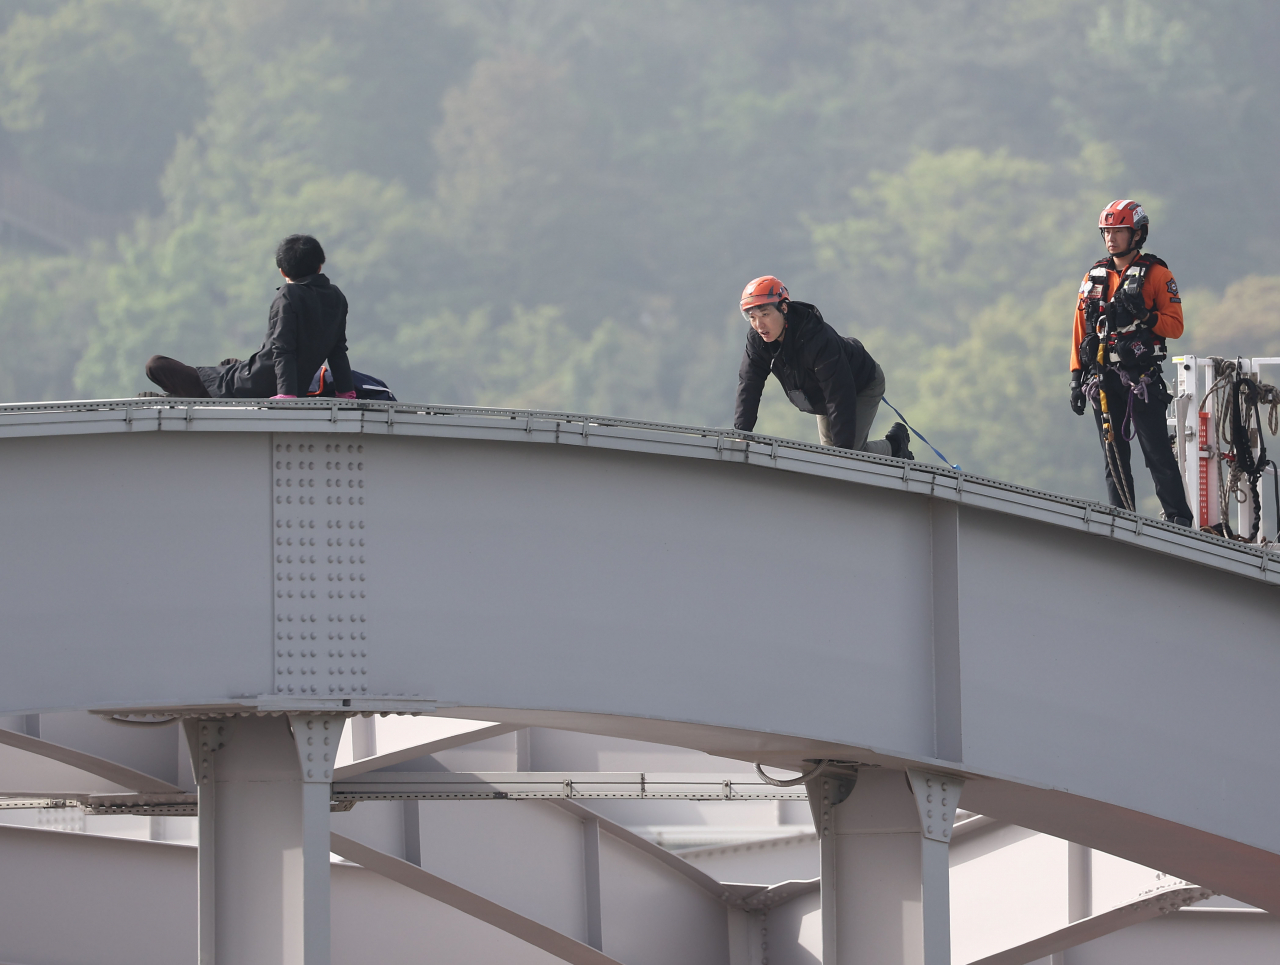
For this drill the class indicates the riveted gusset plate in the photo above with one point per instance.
(320, 548)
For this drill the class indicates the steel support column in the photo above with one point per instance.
(591, 881)
(937, 796)
(884, 842)
(264, 837)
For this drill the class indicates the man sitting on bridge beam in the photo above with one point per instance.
(306, 326)
(831, 376)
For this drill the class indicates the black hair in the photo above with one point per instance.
(299, 256)
(777, 305)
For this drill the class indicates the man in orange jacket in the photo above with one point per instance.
(1128, 307)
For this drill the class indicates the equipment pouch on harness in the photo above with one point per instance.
(1160, 393)
(1089, 350)
(1136, 348)
(1094, 291)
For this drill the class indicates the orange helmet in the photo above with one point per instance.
(763, 291)
(1126, 214)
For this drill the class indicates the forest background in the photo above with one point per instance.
(556, 203)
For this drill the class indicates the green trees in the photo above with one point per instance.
(92, 98)
(557, 203)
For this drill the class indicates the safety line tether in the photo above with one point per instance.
(953, 465)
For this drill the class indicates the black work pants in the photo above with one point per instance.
(1152, 429)
(175, 378)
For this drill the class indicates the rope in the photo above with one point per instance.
(1094, 393)
(1275, 491)
(953, 465)
(1122, 484)
(1138, 389)
(1238, 401)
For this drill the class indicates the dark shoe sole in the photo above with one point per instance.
(899, 442)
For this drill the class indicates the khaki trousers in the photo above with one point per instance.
(868, 402)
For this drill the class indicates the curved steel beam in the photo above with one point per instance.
(117, 777)
(468, 902)
(752, 597)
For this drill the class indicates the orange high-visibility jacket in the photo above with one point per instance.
(1159, 291)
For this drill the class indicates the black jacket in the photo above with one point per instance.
(307, 325)
(820, 371)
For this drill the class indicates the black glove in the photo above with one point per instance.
(1078, 399)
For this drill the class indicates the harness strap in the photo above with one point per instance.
(1139, 389)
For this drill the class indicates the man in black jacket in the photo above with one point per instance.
(307, 325)
(835, 378)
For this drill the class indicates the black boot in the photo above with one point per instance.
(898, 439)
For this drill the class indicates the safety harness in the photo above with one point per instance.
(1133, 351)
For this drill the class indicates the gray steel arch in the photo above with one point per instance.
(748, 596)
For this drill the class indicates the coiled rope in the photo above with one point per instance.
(1238, 401)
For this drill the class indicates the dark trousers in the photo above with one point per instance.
(176, 378)
(1152, 429)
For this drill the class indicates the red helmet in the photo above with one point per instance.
(763, 291)
(1126, 214)
(1123, 214)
